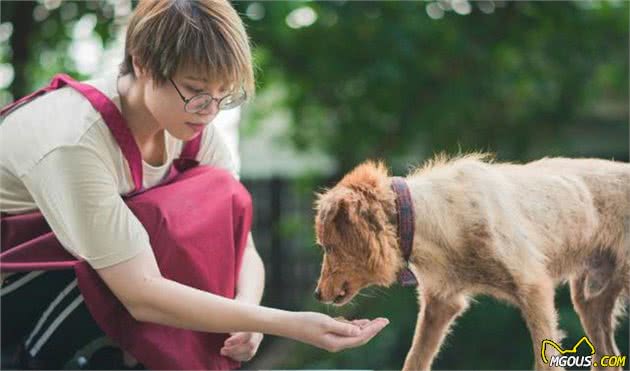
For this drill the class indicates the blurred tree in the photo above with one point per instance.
(382, 79)
(42, 36)
(22, 14)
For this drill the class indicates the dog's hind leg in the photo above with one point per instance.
(536, 302)
(596, 303)
(435, 317)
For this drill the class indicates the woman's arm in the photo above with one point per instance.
(148, 296)
(251, 279)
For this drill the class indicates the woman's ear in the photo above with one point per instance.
(138, 70)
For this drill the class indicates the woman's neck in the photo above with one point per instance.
(148, 134)
(142, 124)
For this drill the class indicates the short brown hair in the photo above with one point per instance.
(207, 36)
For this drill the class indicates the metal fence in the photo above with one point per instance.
(283, 234)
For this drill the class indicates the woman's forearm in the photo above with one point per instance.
(150, 297)
(170, 303)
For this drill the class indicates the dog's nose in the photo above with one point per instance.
(317, 294)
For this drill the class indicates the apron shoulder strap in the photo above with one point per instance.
(114, 121)
(108, 110)
(116, 124)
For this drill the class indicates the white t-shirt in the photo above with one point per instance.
(58, 156)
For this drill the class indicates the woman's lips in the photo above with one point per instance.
(196, 127)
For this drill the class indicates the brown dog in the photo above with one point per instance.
(510, 231)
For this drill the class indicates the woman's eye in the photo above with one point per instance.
(196, 91)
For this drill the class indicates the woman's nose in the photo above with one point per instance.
(209, 112)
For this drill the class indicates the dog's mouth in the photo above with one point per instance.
(344, 296)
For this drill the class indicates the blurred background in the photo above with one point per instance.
(342, 81)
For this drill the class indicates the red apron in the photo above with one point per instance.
(198, 223)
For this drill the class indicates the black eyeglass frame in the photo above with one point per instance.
(222, 103)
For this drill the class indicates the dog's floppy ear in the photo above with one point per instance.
(335, 209)
(335, 212)
(327, 210)
(372, 220)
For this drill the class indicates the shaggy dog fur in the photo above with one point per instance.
(506, 230)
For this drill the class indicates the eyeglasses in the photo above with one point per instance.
(200, 101)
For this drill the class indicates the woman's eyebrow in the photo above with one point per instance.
(196, 78)
(223, 89)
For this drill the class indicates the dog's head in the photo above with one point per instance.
(356, 227)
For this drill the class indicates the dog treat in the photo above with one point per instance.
(342, 319)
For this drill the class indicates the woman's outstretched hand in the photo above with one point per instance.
(335, 335)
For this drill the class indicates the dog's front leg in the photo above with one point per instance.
(435, 317)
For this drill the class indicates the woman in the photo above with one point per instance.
(184, 61)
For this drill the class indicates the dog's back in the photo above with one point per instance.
(589, 197)
(608, 182)
(608, 199)
(554, 212)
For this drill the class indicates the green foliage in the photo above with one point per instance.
(381, 79)
(41, 37)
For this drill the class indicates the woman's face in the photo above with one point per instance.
(167, 106)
